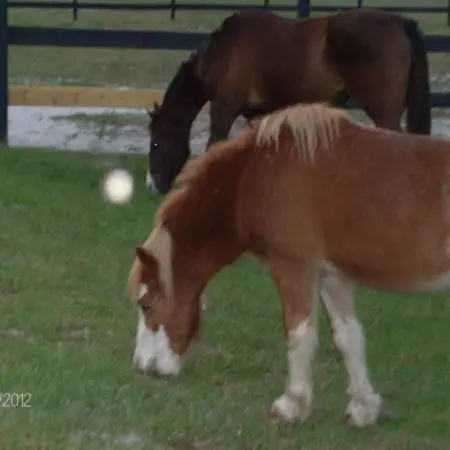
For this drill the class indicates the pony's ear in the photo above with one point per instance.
(146, 258)
(155, 107)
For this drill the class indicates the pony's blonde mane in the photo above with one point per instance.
(309, 124)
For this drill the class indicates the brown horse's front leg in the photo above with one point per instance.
(296, 285)
(222, 117)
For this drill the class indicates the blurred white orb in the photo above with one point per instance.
(118, 186)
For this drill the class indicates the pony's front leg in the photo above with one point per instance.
(365, 404)
(296, 285)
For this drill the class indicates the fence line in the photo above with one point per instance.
(302, 7)
(163, 40)
(137, 39)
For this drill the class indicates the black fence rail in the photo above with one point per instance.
(303, 8)
(137, 39)
(134, 39)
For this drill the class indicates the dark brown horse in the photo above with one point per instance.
(258, 62)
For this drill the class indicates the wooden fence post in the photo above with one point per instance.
(304, 8)
(3, 72)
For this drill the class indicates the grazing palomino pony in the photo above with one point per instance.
(258, 62)
(324, 202)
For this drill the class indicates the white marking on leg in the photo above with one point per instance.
(153, 352)
(365, 404)
(295, 403)
(149, 182)
(440, 283)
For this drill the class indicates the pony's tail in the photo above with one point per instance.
(418, 98)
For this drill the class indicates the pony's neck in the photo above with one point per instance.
(185, 96)
(203, 217)
(206, 242)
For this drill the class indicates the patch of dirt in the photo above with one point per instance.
(6, 291)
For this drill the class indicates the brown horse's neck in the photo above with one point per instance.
(185, 96)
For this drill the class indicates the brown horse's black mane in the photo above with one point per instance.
(184, 89)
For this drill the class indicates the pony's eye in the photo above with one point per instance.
(154, 145)
(146, 308)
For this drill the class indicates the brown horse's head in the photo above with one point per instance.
(165, 328)
(169, 151)
(170, 126)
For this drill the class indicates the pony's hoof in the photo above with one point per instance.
(288, 411)
(360, 415)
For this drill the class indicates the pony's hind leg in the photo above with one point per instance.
(297, 289)
(337, 296)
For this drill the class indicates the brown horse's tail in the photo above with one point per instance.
(418, 98)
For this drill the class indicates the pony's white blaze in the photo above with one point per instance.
(143, 289)
(153, 352)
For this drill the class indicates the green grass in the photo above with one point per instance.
(67, 334)
(150, 68)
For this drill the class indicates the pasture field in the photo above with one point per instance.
(153, 68)
(67, 331)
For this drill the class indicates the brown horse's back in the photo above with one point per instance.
(265, 60)
(262, 62)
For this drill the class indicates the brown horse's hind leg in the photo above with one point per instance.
(391, 120)
(337, 296)
(385, 107)
(296, 284)
(222, 117)
(377, 79)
